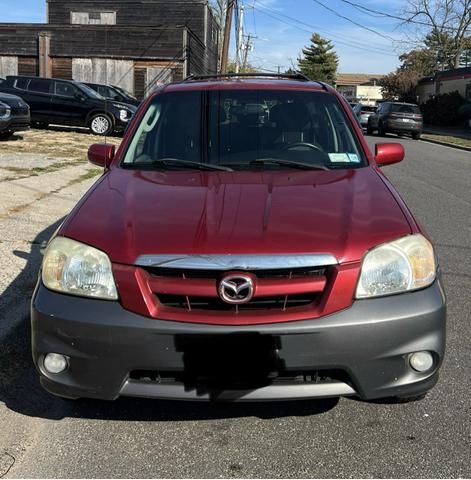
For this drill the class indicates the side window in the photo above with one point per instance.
(106, 92)
(21, 83)
(65, 89)
(39, 85)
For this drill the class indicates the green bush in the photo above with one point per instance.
(444, 110)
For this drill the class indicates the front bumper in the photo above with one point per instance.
(360, 351)
(15, 123)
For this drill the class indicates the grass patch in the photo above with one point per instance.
(70, 145)
(86, 176)
(38, 170)
(463, 142)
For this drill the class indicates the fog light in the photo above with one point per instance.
(55, 363)
(421, 361)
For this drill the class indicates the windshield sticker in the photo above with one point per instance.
(353, 157)
(339, 157)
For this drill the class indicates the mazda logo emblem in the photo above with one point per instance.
(236, 288)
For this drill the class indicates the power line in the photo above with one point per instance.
(313, 27)
(352, 44)
(377, 13)
(387, 37)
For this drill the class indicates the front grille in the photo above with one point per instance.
(258, 303)
(278, 289)
(215, 274)
(226, 380)
(20, 111)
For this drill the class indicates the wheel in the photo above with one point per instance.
(5, 135)
(416, 135)
(381, 131)
(369, 130)
(39, 125)
(101, 124)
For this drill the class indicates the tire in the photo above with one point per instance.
(416, 136)
(5, 135)
(369, 130)
(101, 124)
(40, 125)
(381, 131)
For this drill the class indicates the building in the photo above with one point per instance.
(130, 43)
(456, 80)
(359, 87)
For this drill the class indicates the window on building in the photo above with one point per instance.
(93, 18)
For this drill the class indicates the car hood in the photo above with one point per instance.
(130, 213)
(11, 100)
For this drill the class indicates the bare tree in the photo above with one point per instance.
(449, 20)
(219, 9)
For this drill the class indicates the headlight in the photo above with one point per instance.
(78, 269)
(124, 115)
(5, 111)
(399, 266)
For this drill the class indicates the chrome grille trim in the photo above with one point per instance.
(237, 262)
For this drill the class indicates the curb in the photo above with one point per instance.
(446, 144)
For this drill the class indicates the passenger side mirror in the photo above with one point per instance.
(101, 154)
(388, 153)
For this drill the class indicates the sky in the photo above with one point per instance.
(280, 36)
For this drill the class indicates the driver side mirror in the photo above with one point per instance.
(388, 153)
(79, 96)
(101, 154)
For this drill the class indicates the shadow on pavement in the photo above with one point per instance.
(21, 392)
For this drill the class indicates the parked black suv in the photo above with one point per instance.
(14, 115)
(65, 102)
(396, 117)
(111, 92)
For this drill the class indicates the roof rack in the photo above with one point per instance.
(291, 76)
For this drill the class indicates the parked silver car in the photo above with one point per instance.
(363, 112)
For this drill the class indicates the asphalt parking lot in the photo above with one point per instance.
(43, 436)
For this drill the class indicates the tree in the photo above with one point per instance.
(446, 23)
(420, 61)
(319, 60)
(231, 68)
(400, 85)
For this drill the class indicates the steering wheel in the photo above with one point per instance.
(311, 146)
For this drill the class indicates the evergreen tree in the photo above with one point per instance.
(319, 60)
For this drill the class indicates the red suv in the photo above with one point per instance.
(242, 244)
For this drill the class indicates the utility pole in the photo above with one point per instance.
(239, 35)
(248, 46)
(227, 35)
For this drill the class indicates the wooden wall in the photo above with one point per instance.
(62, 68)
(93, 41)
(135, 12)
(28, 66)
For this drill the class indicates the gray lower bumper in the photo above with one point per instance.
(370, 342)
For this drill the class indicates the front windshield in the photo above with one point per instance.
(89, 91)
(244, 129)
(124, 92)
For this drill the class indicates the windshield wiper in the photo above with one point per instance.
(170, 162)
(289, 163)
